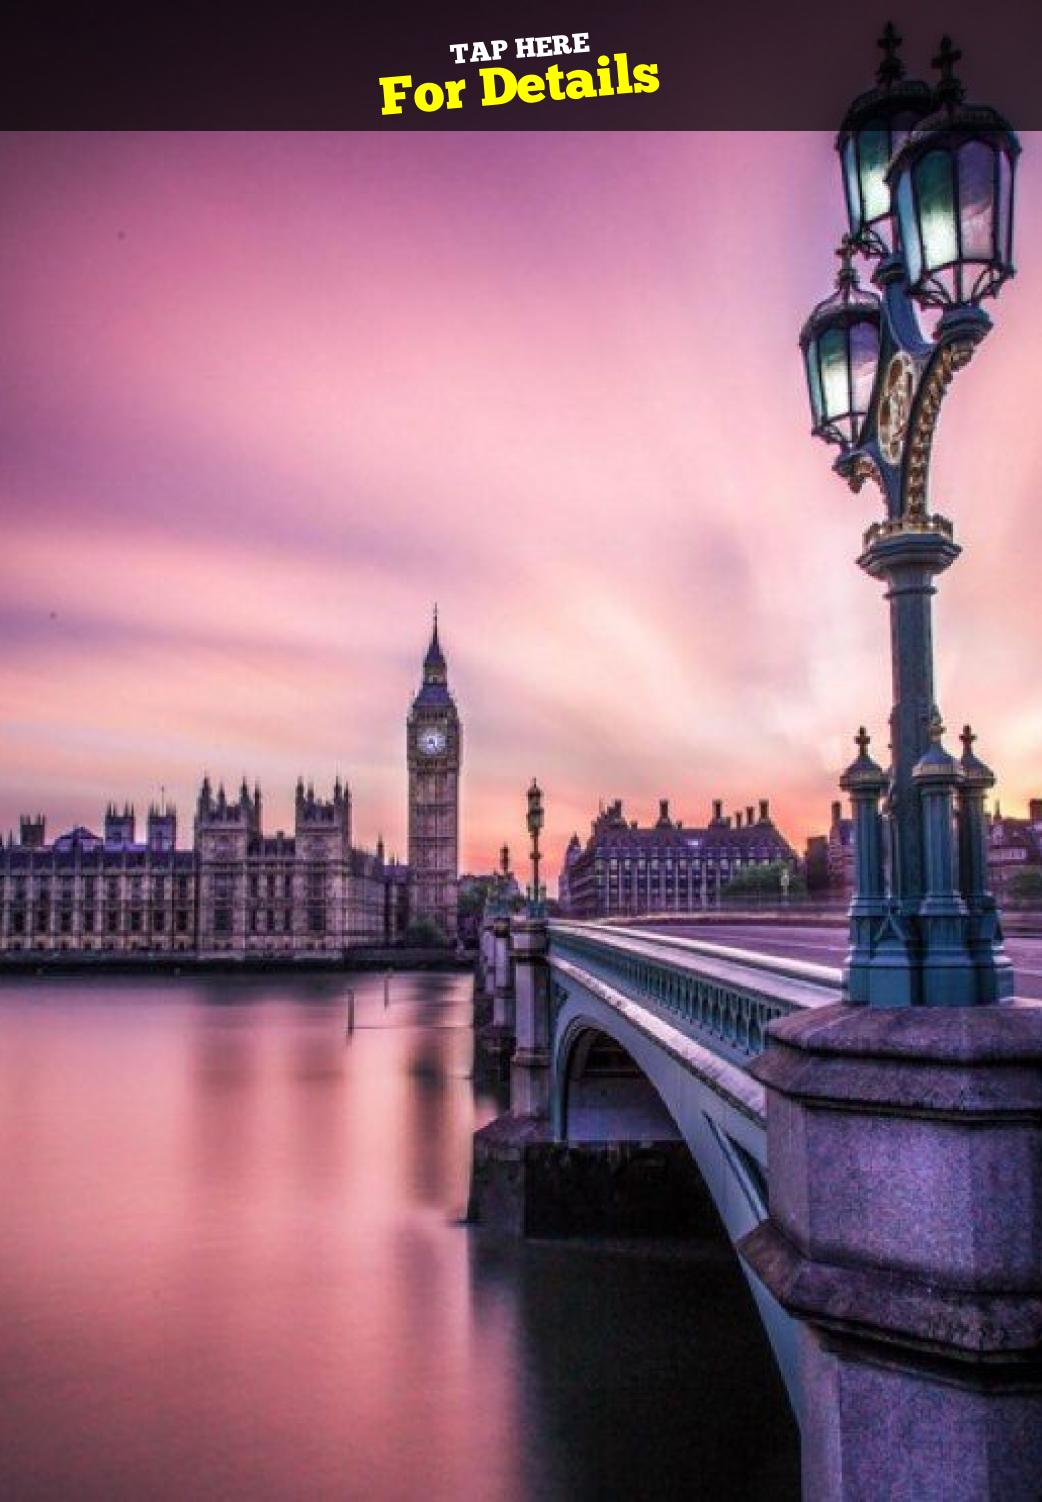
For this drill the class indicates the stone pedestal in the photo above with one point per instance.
(503, 989)
(486, 960)
(494, 1035)
(905, 1232)
(530, 1066)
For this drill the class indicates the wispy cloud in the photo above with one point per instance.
(266, 398)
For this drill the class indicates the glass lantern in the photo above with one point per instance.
(840, 344)
(874, 127)
(952, 182)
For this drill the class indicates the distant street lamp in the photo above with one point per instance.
(928, 182)
(535, 824)
(500, 893)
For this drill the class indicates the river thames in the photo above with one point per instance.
(233, 1265)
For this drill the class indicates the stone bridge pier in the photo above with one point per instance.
(503, 981)
(904, 1151)
(530, 1064)
(586, 1146)
(494, 998)
(485, 972)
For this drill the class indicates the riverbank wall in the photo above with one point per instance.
(350, 962)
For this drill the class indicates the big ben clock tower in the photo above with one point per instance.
(434, 743)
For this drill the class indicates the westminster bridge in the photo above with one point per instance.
(880, 1181)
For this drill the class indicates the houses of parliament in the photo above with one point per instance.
(238, 892)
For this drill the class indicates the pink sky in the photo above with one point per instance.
(268, 397)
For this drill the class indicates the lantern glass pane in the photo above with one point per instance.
(909, 227)
(875, 154)
(832, 345)
(933, 180)
(813, 381)
(976, 205)
(850, 184)
(864, 357)
(1005, 227)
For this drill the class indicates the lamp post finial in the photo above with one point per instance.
(846, 276)
(949, 89)
(891, 68)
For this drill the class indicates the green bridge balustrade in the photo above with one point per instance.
(721, 996)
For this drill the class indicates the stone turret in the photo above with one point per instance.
(204, 803)
(31, 831)
(161, 829)
(325, 824)
(120, 826)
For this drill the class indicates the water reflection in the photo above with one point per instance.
(230, 1267)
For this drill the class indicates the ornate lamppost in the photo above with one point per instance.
(904, 1132)
(928, 182)
(503, 878)
(535, 823)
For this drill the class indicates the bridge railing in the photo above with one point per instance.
(720, 995)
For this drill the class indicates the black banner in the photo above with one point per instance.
(580, 65)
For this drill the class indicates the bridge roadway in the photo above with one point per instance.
(827, 946)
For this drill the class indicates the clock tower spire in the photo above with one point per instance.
(434, 669)
(433, 749)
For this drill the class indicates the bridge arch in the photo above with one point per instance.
(639, 1090)
(605, 1095)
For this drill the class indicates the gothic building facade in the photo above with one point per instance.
(109, 892)
(273, 895)
(238, 892)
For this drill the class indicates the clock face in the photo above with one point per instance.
(431, 740)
